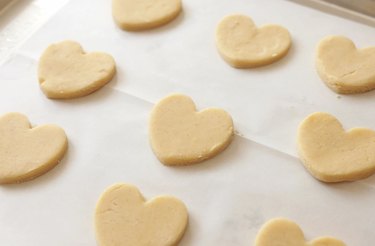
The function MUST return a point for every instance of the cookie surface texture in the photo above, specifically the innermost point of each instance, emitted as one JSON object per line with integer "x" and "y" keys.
{"x": 124, "y": 218}
{"x": 243, "y": 45}
{"x": 136, "y": 15}
{"x": 333, "y": 155}
{"x": 344, "y": 68}
{"x": 180, "y": 135}
{"x": 283, "y": 232}
{"x": 25, "y": 152}
{"x": 66, "y": 71}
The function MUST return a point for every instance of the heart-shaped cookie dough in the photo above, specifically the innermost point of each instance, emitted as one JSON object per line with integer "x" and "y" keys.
{"x": 25, "y": 152}
{"x": 283, "y": 232}
{"x": 66, "y": 71}
{"x": 180, "y": 136}
{"x": 243, "y": 45}
{"x": 344, "y": 68}
{"x": 134, "y": 15}
{"x": 333, "y": 155}
{"x": 123, "y": 218}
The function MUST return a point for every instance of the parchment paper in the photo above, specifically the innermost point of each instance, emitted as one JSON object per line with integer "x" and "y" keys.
{"x": 229, "y": 197}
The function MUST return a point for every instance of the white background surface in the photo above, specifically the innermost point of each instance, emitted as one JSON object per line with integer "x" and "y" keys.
{"x": 229, "y": 197}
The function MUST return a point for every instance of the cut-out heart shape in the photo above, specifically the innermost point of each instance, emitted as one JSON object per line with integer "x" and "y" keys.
{"x": 180, "y": 136}
{"x": 123, "y": 218}
{"x": 243, "y": 45}
{"x": 66, "y": 71}
{"x": 283, "y": 232}
{"x": 134, "y": 15}
{"x": 25, "y": 152}
{"x": 344, "y": 68}
{"x": 333, "y": 155}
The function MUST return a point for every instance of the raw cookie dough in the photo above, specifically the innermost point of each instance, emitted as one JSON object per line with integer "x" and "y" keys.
{"x": 124, "y": 218}
{"x": 180, "y": 135}
{"x": 25, "y": 152}
{"x": 66, "y": 71}
{"x": 134, "y": 15}
{"x": 344, "y": 68}
{"x": 283, "y": 232}
{"x": 243, "y": 45}
{"x": 333, "y": 155}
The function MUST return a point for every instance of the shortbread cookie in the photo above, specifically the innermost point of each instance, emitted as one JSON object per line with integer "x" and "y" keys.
{"x": 333, "y": 155}
{"x": 283, "y": 232}
{"x": 124, "y": 218}
{"x": 25, "y": 152}
{"x": 134, "y": 15}
{"x": 180, "y": 135}
{"x": 243, "y": 45}
{"x": 66, "y": 71}
{"x": 344, "y": 68}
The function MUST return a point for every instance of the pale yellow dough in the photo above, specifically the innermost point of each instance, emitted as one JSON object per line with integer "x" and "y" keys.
{"x": 344, "y": 68}
{"x": 283, "y": 232}
{"x": 243, "y": 45}
{"x": 180, "y": 135}
{"x": 124, "y": 218}
{"x": 25, "y": 152}
{"x": 66, "y": 71}
{"x": 333, "y": 155}
{"x": 134, "y": 15}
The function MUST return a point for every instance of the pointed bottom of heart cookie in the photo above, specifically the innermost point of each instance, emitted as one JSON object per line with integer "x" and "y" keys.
{"x": 138, "y": 15}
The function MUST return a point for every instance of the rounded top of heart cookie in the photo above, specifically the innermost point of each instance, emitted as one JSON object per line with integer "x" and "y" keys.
{"x": 124, "y": 218}
{"x": 180, "y": 135}
{"x": 26, "y": 152}
{"x": 243, "y": 45}
{"x": 333, "y": 155}
{"x": 283, "y": 232}
{"x": 343, "y": 67}
{"x": 134, "y": 15}
{"x": 66, "y": 71}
